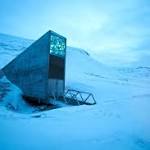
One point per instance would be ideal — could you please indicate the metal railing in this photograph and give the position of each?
(79, 97)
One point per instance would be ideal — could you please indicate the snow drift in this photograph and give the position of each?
(119, 121)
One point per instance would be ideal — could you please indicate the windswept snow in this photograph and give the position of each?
(11, 46)
(11, 97)
(119, 120)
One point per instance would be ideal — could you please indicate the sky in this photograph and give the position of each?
(116, 31)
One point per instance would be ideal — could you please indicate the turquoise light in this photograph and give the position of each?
(57, 46)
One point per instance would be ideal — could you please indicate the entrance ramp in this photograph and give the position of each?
(75, 97)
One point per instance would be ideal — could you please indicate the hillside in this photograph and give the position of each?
(119, 120)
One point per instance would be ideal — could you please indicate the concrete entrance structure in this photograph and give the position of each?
(39, 71)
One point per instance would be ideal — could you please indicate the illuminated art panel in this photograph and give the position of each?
(57, 45)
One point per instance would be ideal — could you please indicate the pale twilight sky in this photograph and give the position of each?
(118, 29)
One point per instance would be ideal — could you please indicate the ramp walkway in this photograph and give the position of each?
(75, 97)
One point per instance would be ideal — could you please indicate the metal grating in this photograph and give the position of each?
(79, 97)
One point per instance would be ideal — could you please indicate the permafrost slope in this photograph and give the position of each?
(119, 121)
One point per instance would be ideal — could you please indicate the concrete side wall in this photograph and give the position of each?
(29, 70)
(1, 74)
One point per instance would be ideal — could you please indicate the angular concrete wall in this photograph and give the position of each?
(29, 70)
(1, 74)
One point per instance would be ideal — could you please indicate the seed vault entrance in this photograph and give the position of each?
(56, 74)
(39, 71)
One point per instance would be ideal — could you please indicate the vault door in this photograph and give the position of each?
(56, 87)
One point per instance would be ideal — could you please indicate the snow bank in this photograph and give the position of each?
(11, 96)
(120, 120)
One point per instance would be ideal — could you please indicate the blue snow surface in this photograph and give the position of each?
(119, 120)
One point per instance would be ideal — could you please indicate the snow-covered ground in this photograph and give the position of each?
(119, 120)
